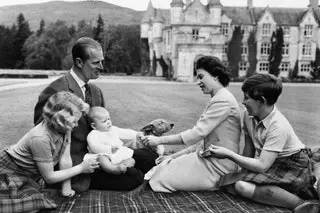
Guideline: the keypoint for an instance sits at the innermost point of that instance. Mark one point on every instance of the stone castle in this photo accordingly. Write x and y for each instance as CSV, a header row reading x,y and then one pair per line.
x,y
191,29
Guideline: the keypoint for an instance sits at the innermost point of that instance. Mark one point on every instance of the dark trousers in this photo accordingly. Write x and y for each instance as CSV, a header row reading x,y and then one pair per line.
x,y
145,160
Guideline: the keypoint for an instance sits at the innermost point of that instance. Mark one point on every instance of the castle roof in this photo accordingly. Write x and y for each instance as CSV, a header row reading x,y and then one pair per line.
x,y
149,14
177,3
247,16
212,3
158,17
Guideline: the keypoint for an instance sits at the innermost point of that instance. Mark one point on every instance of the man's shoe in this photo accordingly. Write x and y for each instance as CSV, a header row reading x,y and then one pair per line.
x,y
308,207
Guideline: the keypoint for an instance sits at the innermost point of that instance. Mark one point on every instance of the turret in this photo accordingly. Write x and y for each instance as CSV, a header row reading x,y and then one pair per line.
x,y
176,10
147,18
215,11
157,24
250,4
314,3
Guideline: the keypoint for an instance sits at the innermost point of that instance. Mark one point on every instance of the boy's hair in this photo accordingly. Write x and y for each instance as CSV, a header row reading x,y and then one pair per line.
x,y
60,106
263,85
215,68
95,112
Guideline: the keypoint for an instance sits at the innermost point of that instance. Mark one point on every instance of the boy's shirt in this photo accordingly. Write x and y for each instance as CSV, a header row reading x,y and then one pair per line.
x,y
273,133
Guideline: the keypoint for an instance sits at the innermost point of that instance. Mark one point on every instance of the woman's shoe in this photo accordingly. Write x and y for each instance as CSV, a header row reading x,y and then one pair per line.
x,y
308,207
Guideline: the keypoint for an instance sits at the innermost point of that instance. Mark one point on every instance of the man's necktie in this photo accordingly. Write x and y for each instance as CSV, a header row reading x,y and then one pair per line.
x,y
88,97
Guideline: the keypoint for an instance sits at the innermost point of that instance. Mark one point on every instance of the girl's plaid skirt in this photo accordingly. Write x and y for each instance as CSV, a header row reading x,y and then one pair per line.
x,y
19,189
292,173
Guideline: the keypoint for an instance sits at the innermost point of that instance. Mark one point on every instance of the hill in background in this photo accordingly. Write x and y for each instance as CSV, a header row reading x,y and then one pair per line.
x,y
70,12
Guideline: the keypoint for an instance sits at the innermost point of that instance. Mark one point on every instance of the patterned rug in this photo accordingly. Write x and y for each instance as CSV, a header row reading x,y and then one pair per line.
x,y
143,199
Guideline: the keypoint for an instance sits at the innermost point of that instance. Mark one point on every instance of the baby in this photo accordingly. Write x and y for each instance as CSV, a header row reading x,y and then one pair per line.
x,y
106,141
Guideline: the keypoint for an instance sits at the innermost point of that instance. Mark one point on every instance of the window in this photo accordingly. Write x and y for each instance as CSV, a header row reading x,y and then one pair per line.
x,y
308,30
285,49
306,49
244,29
286,30
243,66
266,29
225,48
265,48
244,49
305,67
284,67
195,34
224,28
264,67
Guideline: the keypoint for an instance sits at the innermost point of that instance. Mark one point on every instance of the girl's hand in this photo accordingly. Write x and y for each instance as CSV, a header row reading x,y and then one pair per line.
x,y
151,140
163,158
219,152
89,165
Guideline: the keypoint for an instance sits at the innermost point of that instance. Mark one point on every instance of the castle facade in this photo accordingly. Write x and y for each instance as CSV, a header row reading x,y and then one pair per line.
x,y
191,29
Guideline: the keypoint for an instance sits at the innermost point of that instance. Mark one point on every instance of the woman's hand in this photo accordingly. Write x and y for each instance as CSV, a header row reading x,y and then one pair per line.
x,y
163,158
219,152
89,165
151,140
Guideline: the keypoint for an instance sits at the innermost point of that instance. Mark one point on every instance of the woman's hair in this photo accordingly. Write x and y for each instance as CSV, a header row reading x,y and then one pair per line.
x,y
60,107
261,86
82,46
215,68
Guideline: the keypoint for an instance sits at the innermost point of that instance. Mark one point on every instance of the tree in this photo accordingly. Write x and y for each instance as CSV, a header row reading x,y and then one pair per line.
x,y
41,28
252,56
234,51
23,32
315,66
98,31
294,73
49,50
275,56
7,53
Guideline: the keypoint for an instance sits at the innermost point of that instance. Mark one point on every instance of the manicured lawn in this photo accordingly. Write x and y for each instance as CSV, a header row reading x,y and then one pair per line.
x,y
134,104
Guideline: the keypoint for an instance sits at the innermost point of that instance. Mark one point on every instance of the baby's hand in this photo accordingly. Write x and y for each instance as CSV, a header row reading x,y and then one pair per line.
x,y
68,192
139,136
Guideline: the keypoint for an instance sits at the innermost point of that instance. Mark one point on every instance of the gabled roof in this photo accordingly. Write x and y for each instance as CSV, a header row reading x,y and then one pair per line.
x,y
238,15
158,17
282,16
247,16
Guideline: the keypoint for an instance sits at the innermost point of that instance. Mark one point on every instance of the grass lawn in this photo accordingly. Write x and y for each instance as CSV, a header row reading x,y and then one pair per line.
x,y
134,104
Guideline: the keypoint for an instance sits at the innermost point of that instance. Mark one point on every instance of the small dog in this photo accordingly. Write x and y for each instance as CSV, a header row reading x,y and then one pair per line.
x,y
157,128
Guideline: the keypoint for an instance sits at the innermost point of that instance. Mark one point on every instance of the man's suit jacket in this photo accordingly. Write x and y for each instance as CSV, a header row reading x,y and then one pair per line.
x,y
79,133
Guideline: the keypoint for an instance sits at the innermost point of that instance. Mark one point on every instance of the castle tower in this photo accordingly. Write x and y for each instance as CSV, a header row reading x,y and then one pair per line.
x,y
215,11
176,10
145,22
157,39
314,3
250,4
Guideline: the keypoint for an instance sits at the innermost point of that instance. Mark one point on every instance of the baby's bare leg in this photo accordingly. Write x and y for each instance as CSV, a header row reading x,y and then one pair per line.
x,y
129,162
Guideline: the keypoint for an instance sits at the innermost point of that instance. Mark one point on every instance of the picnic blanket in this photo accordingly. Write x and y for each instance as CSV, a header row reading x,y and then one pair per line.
x,y
143,199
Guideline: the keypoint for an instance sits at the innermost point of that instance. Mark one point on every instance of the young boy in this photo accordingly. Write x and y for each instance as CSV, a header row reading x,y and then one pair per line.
x,y
107,140
276,166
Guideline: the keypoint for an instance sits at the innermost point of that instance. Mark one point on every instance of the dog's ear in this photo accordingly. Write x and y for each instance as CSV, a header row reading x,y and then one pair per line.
x,y
148,128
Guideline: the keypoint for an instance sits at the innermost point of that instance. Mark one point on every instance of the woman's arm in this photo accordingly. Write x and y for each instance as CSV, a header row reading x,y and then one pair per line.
x,y
66,163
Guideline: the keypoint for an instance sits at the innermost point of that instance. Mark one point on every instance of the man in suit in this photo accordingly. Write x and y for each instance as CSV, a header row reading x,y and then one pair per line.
x,y
88,60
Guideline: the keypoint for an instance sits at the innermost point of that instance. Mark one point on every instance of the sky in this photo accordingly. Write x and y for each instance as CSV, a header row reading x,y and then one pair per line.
x,y
142,4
